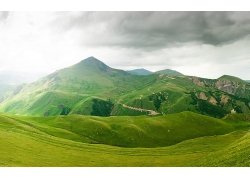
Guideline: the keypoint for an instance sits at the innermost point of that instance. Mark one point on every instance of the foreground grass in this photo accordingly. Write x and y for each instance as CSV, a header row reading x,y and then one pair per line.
x,y
19,148
236,154
35,141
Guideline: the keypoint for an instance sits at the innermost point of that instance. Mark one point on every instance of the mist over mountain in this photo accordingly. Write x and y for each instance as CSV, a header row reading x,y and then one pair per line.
x,y
15,77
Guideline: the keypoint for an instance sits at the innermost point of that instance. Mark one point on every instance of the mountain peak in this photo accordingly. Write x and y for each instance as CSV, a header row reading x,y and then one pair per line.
x,y
169,72
230,78
91,59
92,63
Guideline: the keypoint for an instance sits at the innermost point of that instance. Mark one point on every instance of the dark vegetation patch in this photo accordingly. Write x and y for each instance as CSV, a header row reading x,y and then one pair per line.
x,y
157,99
65,110
209,109
101,107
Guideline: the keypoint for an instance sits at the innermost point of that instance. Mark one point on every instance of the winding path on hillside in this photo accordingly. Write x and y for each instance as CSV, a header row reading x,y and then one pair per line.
x,y
151,112
150,91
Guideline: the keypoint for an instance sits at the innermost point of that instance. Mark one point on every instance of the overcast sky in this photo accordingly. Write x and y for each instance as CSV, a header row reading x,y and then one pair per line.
x,y
205,44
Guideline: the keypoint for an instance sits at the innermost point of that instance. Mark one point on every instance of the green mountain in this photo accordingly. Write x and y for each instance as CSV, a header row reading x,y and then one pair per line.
x,y
169,72
87,87
139,72
247,80
92,88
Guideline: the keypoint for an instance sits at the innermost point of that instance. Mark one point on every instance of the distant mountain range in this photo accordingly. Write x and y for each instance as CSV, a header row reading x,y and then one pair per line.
x,y
90,87
147,72
140,72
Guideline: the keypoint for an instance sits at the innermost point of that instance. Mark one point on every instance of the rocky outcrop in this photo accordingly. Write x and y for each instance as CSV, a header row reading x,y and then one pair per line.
x,y
203,96
212,100
224,99
230,85
233,111
196,80
227,86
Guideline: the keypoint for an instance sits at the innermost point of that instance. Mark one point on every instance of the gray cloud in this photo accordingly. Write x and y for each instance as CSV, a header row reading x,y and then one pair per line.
x,y
154,30
3,15
206,44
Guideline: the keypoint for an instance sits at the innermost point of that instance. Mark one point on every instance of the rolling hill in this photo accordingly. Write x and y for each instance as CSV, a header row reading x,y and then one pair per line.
x,y
90,87
184,139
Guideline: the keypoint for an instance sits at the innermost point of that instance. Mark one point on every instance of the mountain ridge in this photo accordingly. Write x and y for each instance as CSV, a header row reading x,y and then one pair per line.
x,y
90,87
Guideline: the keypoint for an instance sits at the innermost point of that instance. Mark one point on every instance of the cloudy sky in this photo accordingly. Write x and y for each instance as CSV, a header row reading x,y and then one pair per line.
x,y
205,44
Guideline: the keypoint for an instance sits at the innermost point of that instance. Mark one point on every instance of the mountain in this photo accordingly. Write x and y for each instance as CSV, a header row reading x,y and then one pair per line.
x,y
247,80
90,87
139,72
75,89
169,72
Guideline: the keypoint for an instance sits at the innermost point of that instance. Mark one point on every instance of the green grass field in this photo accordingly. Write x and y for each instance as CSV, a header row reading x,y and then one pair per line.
x,y
76,140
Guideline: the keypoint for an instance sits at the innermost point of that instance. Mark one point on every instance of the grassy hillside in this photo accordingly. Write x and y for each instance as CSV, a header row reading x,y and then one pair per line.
x,y
130,131
172,94
233,155
51,141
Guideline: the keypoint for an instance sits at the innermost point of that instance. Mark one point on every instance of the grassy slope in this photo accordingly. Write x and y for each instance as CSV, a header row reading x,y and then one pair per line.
x,y
131,131
24,143
233,155
180,95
